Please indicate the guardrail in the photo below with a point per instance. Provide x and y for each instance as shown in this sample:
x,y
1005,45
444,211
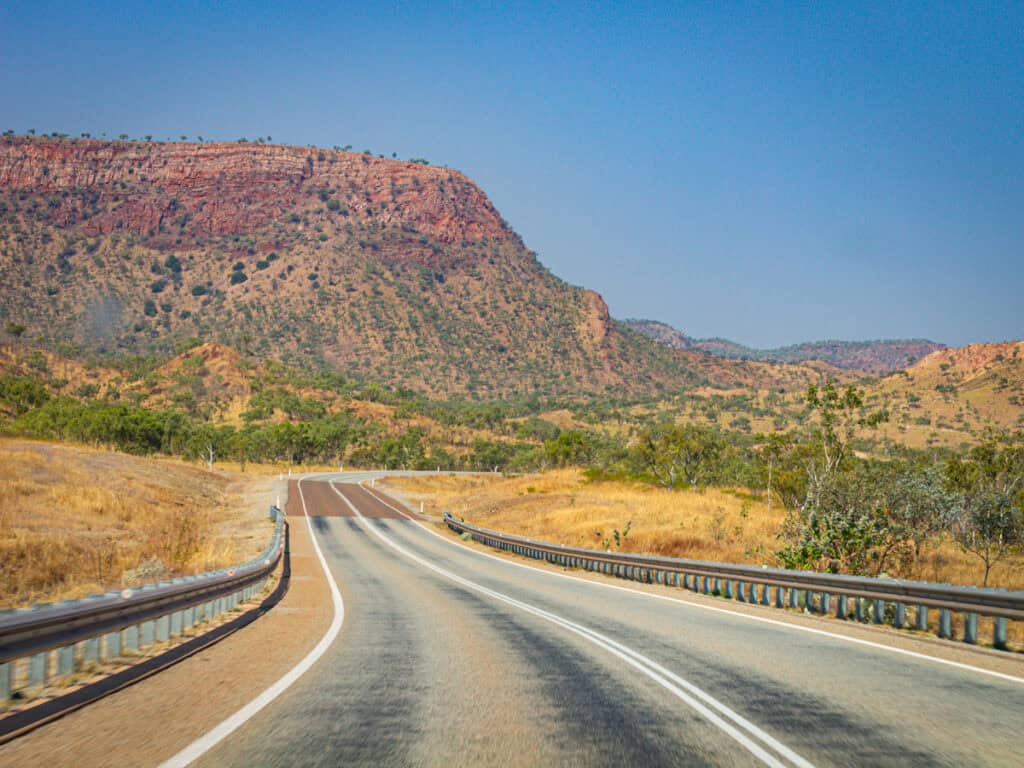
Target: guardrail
x,y
57,639
860,598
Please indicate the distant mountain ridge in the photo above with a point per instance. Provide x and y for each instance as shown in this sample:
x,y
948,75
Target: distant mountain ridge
x,y
875,357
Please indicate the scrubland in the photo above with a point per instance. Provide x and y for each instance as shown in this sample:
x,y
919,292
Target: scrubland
x,y
75,521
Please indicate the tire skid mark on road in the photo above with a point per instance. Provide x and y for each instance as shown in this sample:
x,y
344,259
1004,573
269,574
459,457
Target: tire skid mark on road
x,y
762,745
614,724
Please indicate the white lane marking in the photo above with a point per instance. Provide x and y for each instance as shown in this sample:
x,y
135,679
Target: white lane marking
x,y
688,604
211,739
701,701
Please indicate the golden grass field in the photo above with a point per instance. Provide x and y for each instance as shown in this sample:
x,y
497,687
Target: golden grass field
x,y
76,521
564,507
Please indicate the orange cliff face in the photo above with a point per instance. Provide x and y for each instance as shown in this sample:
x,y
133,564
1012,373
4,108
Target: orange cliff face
x,y
182,193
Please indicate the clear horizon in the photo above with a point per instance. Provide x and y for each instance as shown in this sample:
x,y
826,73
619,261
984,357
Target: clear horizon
x,y
770,176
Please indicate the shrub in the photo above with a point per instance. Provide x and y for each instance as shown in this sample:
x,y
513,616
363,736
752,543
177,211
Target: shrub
x,y
238,277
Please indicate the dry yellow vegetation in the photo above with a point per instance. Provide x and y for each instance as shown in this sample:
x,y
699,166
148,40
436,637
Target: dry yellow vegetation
x,y
564,507
951,396
76,521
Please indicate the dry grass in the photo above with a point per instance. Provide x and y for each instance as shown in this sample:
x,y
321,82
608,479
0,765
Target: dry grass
x,y
712,524
562,506
76,521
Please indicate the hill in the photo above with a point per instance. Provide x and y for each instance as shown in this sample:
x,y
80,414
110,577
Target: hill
x,y
951,395
874,357
382,270
385,270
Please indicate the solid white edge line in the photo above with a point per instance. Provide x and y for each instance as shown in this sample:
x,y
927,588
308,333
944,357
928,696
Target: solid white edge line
x,y
647,667
228,726
689,604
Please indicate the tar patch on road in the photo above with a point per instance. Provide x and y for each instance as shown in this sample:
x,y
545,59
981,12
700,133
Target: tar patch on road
x,y
322,501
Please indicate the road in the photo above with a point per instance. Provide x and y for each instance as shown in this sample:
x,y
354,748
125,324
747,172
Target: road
x,y
452,657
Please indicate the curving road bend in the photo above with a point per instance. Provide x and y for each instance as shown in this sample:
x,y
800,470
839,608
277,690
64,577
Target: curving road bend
x,y
452,657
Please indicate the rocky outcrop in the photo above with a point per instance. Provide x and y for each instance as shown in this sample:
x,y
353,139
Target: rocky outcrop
x,y
178,192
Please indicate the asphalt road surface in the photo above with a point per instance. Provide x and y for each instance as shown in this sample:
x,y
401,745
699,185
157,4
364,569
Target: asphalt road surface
x,y
452,657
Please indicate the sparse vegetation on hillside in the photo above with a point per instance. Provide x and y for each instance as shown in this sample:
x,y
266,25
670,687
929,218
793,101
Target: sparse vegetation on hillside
x,y
78,521
382,270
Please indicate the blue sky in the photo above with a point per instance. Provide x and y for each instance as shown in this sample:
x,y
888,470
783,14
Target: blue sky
x,y
769,172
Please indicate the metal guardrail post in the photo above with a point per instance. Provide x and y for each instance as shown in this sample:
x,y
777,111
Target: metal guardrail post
x,y
37,668
163,629
112,645
858,609
148,633
999,633
878,617
971,628
899,618
65,660
841,608
91,650
921,618
945,624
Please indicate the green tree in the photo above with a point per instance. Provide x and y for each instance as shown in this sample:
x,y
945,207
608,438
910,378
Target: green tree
x,y
22,393
571,448
841,415
688,452
990,480
14,330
